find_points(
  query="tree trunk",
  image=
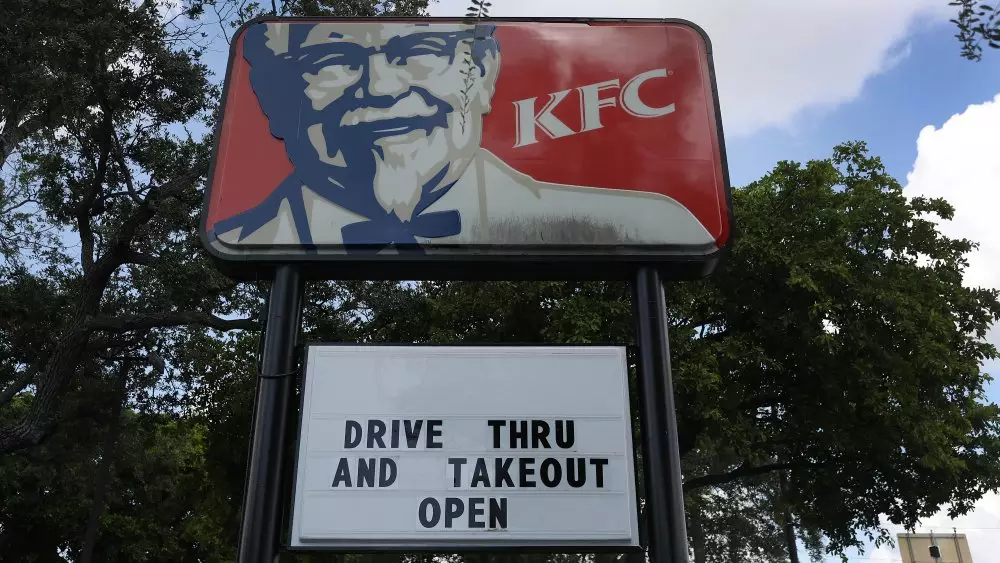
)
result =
(793, 548)
(52, 382)
(108, 451)
(733, 543)
(698, 537)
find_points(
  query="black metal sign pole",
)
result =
(260, 529)
(666, 528)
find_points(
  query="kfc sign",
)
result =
(591, 103)
(361, 143)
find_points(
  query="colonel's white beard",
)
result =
(410, 161)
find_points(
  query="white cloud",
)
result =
(980, 527)
(958, 161)
(773, 58)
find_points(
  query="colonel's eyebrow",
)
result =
(330, 56)
(304, 34)
(444, 39)
(332, 49)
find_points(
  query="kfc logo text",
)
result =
(591, 102)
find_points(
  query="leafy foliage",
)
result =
(355, 8)
(158, 506)
(977, 21)
(736, 523)
(843, 346)
(231, 13)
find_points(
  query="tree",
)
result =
(849, 349)
(354, 8)
(111, 170)
(230, 14)
(157, 504)
(99, 195)
(736, 523)
(44, 83)
(977, 21)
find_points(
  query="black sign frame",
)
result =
(454, 546)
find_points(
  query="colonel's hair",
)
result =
(273, 51)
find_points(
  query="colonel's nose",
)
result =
(383, 78)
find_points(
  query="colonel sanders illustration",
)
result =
(383, 129)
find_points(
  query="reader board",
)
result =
(430, 447)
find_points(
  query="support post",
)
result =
(260, 531)
(666, 528)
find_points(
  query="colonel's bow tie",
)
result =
(378, 232)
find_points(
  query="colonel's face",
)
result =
(388, 98)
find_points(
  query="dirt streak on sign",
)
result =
(340, 140)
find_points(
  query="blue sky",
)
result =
(928, 86)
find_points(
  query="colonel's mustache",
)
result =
(416, 109)
(409, 106)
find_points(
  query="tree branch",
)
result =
(688, 324)
(717, 336)
(126, 173)
(133, 257)
(15, 206)
(119, 246)
(745, 470)
(84, 148)
(17, 132)
(110, 195)
(17, 386)
(170, 319)
(87, 200)
(760, 401)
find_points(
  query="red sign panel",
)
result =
(433, 141)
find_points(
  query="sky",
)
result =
(796, 78)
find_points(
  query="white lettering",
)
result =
(591, 103)
(632, 103)
(528, 120)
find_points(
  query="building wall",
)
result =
(915, 548)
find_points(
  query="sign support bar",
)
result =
(666, 531)
(261, 526)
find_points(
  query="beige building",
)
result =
(916, 548)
